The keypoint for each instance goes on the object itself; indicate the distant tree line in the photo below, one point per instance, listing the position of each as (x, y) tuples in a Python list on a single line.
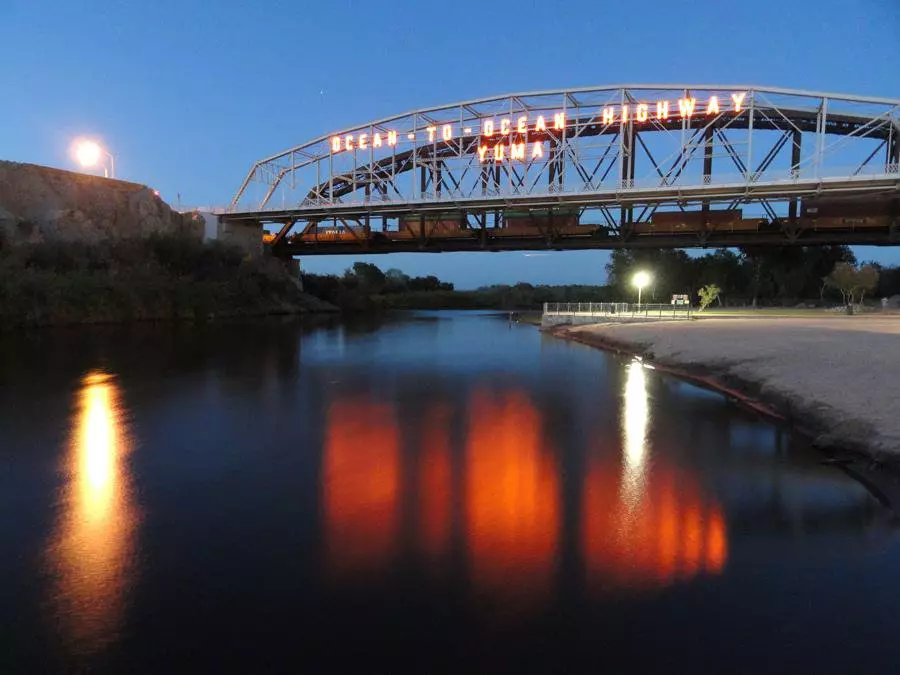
[(361, 285), (755, 275), (765, 276), (365, 286)]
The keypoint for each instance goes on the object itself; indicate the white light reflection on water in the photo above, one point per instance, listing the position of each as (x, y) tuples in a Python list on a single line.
[(656, 526), (635, 423), (91, 550)]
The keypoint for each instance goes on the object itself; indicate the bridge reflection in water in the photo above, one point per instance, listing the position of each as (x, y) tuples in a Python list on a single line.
[(482, 478)]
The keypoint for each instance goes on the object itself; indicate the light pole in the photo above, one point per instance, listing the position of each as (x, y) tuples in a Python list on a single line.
[(640, 280), (88, 154)]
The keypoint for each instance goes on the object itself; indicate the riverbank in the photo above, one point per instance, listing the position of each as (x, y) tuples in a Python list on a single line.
[(157, 278), (837, 379)]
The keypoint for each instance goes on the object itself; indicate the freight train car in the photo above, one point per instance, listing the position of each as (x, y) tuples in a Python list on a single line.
[(542, 223), (331, 233), (850, 214), (686, 222), (432, 226)]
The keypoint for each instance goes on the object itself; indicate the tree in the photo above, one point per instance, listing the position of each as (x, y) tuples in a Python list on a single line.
[(369, 276), (397, 281), (429, 283), (708, 295), (818, 261), (843, 278), (672, 271), (866, 280), (752, 258), (723, 267), (849, 281), (775, 272), (889, 281)]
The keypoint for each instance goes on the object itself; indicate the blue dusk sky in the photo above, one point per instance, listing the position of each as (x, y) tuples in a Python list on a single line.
[(189, 93)]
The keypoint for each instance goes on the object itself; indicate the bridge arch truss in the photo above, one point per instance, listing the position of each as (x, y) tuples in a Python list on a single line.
[(621, 156)]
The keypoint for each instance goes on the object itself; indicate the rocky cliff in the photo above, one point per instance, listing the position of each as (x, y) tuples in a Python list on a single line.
[(40, 204)]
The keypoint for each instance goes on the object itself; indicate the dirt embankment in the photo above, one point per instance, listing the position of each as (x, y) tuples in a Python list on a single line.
[(40, 204), (82, 249), (837, 378)]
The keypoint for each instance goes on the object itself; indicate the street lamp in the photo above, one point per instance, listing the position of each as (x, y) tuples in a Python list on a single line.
[(89, 153), (640, 280)]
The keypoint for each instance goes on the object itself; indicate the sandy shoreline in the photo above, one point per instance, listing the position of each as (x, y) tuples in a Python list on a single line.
[(837, 379)]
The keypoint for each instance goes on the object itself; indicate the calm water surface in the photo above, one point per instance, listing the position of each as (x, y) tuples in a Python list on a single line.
[(440, 492)]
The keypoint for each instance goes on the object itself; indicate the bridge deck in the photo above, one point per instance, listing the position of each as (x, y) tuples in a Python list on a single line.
[(637, 196), (717, 199), (572, 243)]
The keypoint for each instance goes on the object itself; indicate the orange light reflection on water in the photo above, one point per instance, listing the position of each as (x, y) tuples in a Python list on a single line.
[(435, 478), (91, 550), (511, 497), (672, 533), (361, 487), (642, 523)]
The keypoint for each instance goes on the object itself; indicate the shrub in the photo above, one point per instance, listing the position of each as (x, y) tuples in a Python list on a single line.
[(708, 295), (162, 276)]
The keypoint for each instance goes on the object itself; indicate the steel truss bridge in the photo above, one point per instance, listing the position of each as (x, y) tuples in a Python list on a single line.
[(605, 167)]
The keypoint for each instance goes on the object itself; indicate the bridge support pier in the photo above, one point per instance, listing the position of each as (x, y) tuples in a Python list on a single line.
[(245, 235), (293, 268)]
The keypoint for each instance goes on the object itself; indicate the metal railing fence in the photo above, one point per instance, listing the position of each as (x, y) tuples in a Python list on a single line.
[(612, 309)]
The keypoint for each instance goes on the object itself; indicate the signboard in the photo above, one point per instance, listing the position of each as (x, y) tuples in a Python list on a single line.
[(522, 137), (681, 300)]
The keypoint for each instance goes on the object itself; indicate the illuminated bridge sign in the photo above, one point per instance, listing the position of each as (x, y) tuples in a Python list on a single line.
[(653, 165)]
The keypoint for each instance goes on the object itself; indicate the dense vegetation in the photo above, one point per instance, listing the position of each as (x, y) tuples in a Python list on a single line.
[(160, 277), (165, 277), (763, 276), (365, 286), (766, 276)]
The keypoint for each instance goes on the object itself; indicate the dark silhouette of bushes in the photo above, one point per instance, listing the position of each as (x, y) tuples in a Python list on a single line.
[(365, 288), (157, 278)]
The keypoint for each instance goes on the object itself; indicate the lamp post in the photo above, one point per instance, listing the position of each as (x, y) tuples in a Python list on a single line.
[(640, 280), (89, 153)]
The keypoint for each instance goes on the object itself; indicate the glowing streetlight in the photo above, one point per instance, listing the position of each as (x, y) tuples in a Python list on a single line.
[(89, 153), (640, 280)]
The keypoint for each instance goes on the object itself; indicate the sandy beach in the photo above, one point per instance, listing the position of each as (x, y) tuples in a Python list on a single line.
[(837, 378)]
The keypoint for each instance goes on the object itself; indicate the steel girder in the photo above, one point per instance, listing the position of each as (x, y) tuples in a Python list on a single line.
[(619, 154), (315, 175)]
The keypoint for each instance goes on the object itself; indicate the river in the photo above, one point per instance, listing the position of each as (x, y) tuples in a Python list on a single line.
[(436, 492)]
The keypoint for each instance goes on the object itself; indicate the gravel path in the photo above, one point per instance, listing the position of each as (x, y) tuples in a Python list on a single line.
[(839, 374)]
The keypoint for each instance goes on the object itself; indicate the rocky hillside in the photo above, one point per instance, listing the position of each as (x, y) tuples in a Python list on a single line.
[(40, 204), (82, 249)]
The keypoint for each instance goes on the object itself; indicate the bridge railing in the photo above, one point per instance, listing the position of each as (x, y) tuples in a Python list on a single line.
[(182, 208), (651, 182), (616, 309)]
